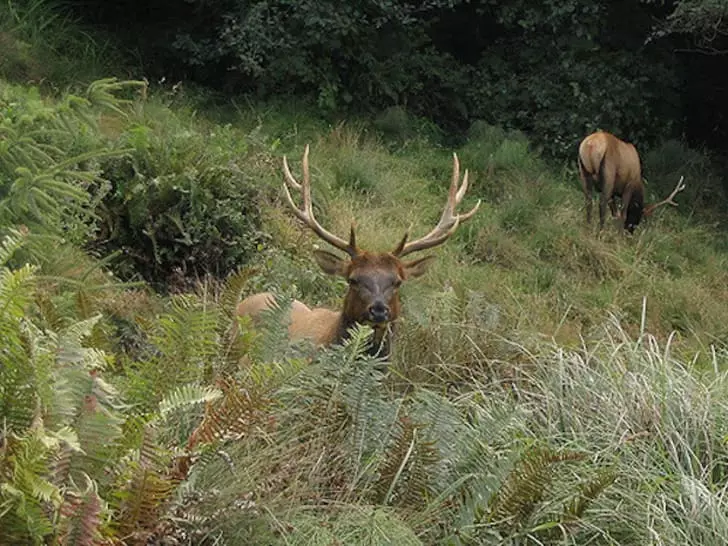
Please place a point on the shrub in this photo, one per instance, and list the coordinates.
(179, 206)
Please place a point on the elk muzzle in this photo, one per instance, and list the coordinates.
(378, 312)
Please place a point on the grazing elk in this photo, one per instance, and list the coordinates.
(612, 166)
(374, 278)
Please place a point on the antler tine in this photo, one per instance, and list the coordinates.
(449, 221)
(678, 188)
(669, 200)
(305, 213)
(289, 176)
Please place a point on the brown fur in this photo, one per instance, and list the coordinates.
(612, 166)
(371, 276)
(318, 325)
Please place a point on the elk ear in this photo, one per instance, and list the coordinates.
(416, 268)
(331, 263)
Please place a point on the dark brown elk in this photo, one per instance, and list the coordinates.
(374, 278)
(612, 167)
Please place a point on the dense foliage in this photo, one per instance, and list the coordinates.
(548, 386)
(556, 70)
(179, 204)
(134, 419)
(170, 204)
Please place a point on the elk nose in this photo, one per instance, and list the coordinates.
(378, 312)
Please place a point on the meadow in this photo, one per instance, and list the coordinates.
(549, 384)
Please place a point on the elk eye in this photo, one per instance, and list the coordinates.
(352, 281)
(397, 283)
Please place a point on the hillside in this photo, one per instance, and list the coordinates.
(546, 383)
(549, 384)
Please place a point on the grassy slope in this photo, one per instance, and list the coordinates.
(528, 298)
(527, 255)
(529, 320)
(525, 334)
(521, 347)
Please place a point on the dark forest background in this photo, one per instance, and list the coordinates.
(645, 70)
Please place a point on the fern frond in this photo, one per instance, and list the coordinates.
(27, 496)
(15, 290)
(231, 416)
(10, 243)
(236, 338)
(19, 378)
(525, 485)
(187, 395)
(234, 289)
(81, 516)
(103, 93)
(144, 498)
(272, 324)
(146, 487)
(588, 493)
(72, 337)
(187, 337)
(351, 524)
(406, 468)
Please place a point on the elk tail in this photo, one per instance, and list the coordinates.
(582, 167)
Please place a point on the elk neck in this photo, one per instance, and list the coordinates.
(379, 344)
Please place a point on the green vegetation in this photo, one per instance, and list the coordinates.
(555, 70)
(548, 385)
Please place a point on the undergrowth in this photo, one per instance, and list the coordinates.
(549, 385)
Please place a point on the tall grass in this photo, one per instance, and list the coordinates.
(44, 45)
(549, 385)
(528, 252)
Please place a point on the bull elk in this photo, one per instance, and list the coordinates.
(373, 278)
(612, 166)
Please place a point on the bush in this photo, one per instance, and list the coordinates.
(179, 206)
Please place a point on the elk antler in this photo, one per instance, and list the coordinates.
(678, 188)
(449, 221)
(305, 214)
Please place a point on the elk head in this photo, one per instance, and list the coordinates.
(649, 209)
(374, 278)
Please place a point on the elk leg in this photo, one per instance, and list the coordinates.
(603, 200)
(586, 184)
(588, 207)
(613, 208)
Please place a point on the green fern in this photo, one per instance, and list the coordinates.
(27, 499)
(236, 338)
(104, 93)
(352, 524)
(525, 486)
(144, 486)
(184, 345)
(10, 243)
(187, 337)
(18, 379)
(273, 343)
(407, 466)
(187, 395)
(588, 493)
(230, 416)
